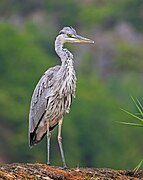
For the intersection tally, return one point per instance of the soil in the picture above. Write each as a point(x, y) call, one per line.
point(18, 171)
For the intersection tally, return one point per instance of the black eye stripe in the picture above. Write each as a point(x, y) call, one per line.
point(61, 32)
point(69, 35)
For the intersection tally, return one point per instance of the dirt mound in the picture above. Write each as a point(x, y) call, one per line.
point(18, 171)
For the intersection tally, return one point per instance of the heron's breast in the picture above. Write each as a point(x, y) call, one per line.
point(58, 105)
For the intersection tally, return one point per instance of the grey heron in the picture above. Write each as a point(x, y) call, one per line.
point(53, 94)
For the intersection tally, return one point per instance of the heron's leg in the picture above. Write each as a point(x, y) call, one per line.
point(48, 143)
point(60, 143)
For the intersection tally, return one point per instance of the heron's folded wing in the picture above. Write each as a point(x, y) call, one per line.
point(40, 97)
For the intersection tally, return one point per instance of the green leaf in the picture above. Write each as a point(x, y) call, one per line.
point(138, 106)
point(138, 167)
point(133, 115)
point(141, 107)
point(131, 124)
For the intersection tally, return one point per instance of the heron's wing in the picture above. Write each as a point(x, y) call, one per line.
point(40, 96)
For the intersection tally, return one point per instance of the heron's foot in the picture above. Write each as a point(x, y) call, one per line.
point(48, 163)
point(64, 166)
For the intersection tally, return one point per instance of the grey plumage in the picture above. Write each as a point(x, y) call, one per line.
point(53, 94)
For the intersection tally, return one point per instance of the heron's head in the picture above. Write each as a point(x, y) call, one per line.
point(68, 34)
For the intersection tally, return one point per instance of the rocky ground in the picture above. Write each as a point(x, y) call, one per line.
point(18, 171)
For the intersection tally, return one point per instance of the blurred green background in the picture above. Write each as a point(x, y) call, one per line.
point(108, 73)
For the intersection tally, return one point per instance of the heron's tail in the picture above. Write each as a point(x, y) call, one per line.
point(32, 139)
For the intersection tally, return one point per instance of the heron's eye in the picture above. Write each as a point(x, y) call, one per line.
point(70, 35)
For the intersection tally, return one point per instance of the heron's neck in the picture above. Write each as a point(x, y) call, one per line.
point(66, 72)
point(63, 53)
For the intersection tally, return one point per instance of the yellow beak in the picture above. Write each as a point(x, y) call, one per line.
point(83, 39)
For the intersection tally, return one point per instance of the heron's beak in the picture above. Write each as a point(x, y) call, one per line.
point(82, 39)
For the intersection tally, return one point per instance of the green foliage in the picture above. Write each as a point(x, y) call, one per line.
point(129, 56)
point(18, 78)
point(109, 13)
point(97, 13)
point(17, 51)
point(60, 8)
point(131, 11)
